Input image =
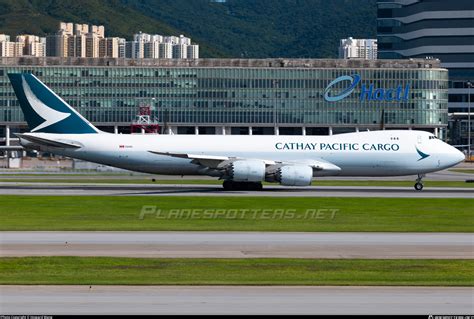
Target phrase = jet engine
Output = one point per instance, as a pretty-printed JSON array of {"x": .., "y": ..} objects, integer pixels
[
  {"x": 294, "y": 175},
  {"x": 247, "y": 171}
]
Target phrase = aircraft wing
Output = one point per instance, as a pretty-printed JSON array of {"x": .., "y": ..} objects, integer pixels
[{"x": 212, "y": 161}]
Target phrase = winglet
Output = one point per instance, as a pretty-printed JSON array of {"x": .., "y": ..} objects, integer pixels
[{"x": 44, "y": 110}]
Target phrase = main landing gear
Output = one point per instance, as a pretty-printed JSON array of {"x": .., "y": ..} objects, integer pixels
[
  {"x": 242, "y": 186},
  {"x": 419, "y": 182}
]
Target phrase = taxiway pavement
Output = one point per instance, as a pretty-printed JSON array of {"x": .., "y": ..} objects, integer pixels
[
  {"x": 238, "y": 244},
  {"x": 59, "y": 189},
  {"x": 136, "y": 300}
]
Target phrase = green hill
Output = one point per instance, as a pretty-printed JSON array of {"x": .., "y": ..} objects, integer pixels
[{"x": 235, "y": 28}]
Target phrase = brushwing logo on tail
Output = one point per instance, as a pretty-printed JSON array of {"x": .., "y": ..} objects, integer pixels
[{"x": 49, "y": 115}]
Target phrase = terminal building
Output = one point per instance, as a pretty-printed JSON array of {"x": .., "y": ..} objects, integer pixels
[{"x": 240, "y": 96}]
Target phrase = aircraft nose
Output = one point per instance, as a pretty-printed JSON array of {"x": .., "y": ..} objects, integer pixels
[{"x": 457, "y": 155}]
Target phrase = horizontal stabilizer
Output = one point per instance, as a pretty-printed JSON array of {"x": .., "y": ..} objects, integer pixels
[
  {"x": 47, "y": 142},
  {"x": 11, "y": 148}
]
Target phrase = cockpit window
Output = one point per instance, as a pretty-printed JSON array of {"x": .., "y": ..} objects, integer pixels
[{"x": 432, "y": 137}]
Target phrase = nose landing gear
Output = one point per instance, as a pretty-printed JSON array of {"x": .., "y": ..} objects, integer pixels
[{"x": 419, "y": 183}]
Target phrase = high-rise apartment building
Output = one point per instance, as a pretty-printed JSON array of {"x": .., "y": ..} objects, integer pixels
[
  {"x": 184, "y": 40},
  {"x": 75, "y": 40},
  {"x": 98, "y": 30},
  {"x": 171, "y": 39},
  {"x": 6, "y": 46},
  {"x": 166, "y": 51},
  {"x": 193, "y": 51},
  {"x": 351, "y": 48},
  {"x": 57, "y": 44},
  {"x": 92, "y": 46},
  {"x": 122, "y": 45},
  {"x": 109, "y": 47},
  {"x": 76, "y": 45},
  {"x": 80, "y": 29},
  {"x": 180, "y": 51},
  {"x": 138, "y": 50},
  {"x": 439, "y": 29},
  {"x": 156, "y": 38},
  {"x": 155, "y": 46},
  {"x": 67, "y": 27},
  {"x": 24, "y": 45},
  {"x": 37, "y": 48},
  {"x": 151, "y": 50},
  {"x": 84, "y": 41}
]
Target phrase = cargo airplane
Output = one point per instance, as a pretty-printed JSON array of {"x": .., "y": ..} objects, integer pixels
[{"x": 242, "y": 162}]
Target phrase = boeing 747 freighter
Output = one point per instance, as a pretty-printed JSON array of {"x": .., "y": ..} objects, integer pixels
[{"x": 242, "y": 162}]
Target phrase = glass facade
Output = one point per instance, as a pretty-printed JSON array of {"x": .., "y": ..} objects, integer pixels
[
  {"x": 284, "y": 96},
  {"x": 440, "y": 29}
]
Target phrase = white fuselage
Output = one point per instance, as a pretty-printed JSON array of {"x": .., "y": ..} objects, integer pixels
[{"x": 377, "y": 153}]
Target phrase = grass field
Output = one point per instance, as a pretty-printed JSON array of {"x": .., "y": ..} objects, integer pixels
[
  {"x": 149, "y": 271},
  {"x": 148, "y": 181},
  {"x": 461, "y": 170},
  {"x": 236, "y": 214}
]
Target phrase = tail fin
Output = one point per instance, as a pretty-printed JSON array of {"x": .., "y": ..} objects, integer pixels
[{"x": 45, "y": 111}]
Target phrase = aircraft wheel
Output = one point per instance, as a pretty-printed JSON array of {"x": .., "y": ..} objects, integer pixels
[
  {"x": 418, "y": 186},
  {"x": 228, "y": 185},
  {"x": 242, "y": 186}
]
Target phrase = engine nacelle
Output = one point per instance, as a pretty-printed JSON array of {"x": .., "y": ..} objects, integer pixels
[
  {"x": 247, "y": 171},
  {"x": 295, "y": 175}
]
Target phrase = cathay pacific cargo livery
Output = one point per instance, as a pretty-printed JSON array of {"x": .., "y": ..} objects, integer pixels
[{"x": 241, "y": 161}]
